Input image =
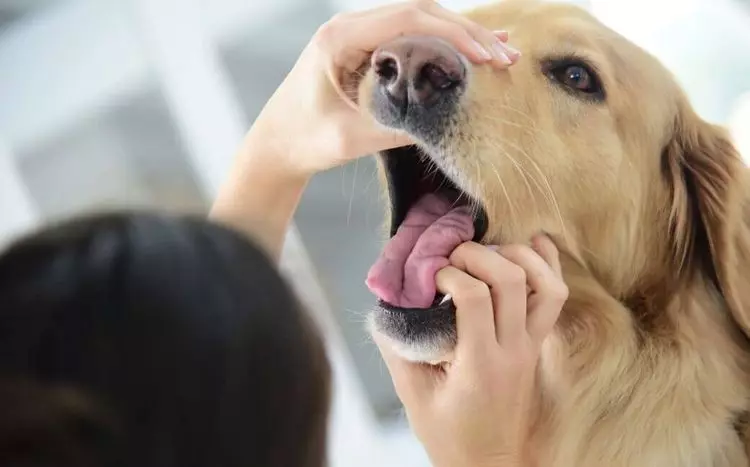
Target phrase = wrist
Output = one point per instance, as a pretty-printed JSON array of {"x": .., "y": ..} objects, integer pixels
[
  {"x": 500, "y": 460},
  {"x": 501, "y": 463},
  {"x": 488, "y": 460},
  {"x": 266, "y": 165},
  {"x": 261, "y": 193},
  {"x": 275, "y": 144}
]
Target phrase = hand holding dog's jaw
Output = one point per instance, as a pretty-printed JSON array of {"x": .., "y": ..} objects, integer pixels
[{"x": 480, "y": 391}]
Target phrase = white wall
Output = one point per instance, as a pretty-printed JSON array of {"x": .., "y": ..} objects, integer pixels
[
  {"x": 17, "y": 208},
  {"x": 739, "y": 126}
]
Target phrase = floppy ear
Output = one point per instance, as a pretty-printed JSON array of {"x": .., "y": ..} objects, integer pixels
[{"x": 708, "y": 213}]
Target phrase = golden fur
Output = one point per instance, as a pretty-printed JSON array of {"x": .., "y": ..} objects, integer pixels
[{"x": 648, "y": 203}]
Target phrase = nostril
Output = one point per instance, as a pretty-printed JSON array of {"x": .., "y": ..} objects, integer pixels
[
  {"x": 417, "y": 72},
  {"x": 438, "y": 77},
  {"x": 387, "y": 69}
]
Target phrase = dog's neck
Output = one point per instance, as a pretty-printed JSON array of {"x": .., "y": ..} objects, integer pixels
[
  {"x": 628, "y": 254},
  {"x": 616, "y": 249},
  {"x": 636, "y": 266}
]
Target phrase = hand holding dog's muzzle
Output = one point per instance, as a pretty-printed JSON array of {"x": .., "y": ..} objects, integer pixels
[{"x": 478, "y": 405}]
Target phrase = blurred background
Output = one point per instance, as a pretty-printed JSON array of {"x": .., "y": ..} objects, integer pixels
[{"x": 142, "y": 103}]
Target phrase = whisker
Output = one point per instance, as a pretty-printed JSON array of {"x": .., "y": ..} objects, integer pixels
[
  {"x": 548, "y": 193},
  {"x": 505, "y": 191},
  {"x": 367, "y": 188},
  {"x": 532, "y": 131},
  {"x": 519, "y": 112},
  {"x": 525, "y": 176},
  {"x": 351, "y": 195}
]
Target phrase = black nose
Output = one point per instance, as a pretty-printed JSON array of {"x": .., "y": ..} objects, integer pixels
[{"x": 418, "y": 71}]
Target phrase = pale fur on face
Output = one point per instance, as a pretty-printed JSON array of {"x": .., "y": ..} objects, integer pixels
[{"x": 649, "y": 362}]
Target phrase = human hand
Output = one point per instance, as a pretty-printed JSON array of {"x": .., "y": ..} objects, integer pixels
[
  {"x": 312, "y": 124},
  {"x": 476, "y": 410}
]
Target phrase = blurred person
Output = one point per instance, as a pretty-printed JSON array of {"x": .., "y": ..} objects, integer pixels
[
  {"x": 146, "y": 340},
  {"x": 140, "y": 339}
]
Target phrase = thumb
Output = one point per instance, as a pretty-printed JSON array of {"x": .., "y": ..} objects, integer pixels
[
  {"x": 373, "y": 137},
  {"x": 414, "y": 382},
  {"x": 391, "y": 139}
]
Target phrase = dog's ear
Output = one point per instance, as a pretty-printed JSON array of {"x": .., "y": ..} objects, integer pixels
[{"x": 710, "y": 233}]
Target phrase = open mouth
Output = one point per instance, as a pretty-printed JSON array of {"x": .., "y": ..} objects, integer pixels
[{"x": 430, "y": 217}]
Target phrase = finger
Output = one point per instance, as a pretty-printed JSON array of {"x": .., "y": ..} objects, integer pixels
[
  {"x": 376, "y": 138},
  {"x": 347, "y": 83},
  {"x": 475, "y": 324},
  {"x": 545, "y": 309},
  {"x": 391, "y": 140},
  {"x": 543, "y": 245},
  {"x": 502, "y": 54},
  {"x": 347, "y": 37},
  {"x": 549, "y": 292},
  {"x": 511, "y": 52},
  {"x": 413, "y": 382},
  {"x": 426, "y": 21},
  {"x": 501, "y": 35},
  {"x": 538, "y": 272},
  {"x": 507, "y": 284}
]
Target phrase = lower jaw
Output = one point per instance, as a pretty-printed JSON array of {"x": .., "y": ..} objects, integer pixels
[
  {"x": 442, "y": 310},
  {"x": 418, "y": 334}
]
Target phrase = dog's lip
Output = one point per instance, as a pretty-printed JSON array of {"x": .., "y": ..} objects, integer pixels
[
  {"x": 479, "y": 212},
  {"x": 440, "y": 306},
  {"x": 481, "y": 224}
]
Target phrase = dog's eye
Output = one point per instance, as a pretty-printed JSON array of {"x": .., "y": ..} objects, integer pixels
[{"x": 577, "y": 77}]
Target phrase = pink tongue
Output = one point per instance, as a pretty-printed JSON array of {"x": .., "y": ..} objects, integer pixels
[{"x": 404, "y": 275}]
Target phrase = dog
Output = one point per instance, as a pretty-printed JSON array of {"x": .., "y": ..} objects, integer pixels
[{"x": 589, "y": 139}]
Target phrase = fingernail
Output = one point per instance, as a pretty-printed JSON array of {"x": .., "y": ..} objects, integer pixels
[
  {"x": 482, "y": 51},
  {"x": 494, "y": 248},
  {"x": 534, "y": 244},
  {"x": 499, "y": 50},
  {"x": 504, "y": 59},
  {"x": 513, "y": 53},
  {"x": 501, "y": 34}
]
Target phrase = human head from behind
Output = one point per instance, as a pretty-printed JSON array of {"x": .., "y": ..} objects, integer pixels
[{"x": 144, "y": 340}]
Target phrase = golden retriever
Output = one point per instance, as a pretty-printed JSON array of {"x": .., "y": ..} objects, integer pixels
[{"x": 589, "y": 139}]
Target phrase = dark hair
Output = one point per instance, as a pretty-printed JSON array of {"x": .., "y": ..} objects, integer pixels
[{"x": 146, "y": 340}]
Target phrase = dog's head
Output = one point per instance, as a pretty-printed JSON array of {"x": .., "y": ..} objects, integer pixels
[{"x": 587, "y": 138}]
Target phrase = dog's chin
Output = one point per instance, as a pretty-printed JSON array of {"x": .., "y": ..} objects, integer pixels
[{"x": 417, "y": 335}]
